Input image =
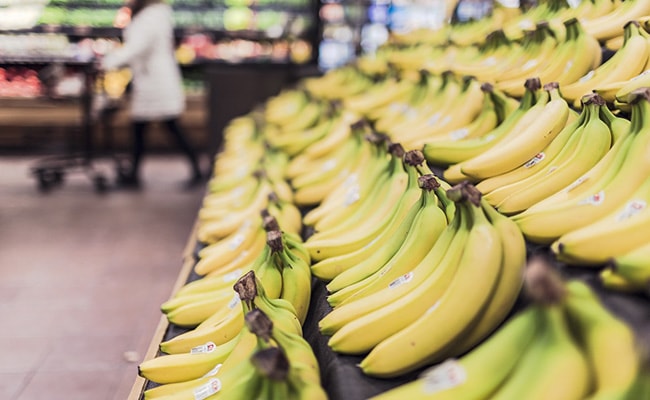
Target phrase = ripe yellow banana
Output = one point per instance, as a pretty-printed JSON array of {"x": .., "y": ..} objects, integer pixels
[
  {"x": 611, "y": 25},
  {"x": 422, "y": 342},
  {"x": 626, "y": 63},
  {"x": 429, "y": 272},
  {"x": 507, "y": 287},
  {"x": 199, "y": 362},
  {"x": 566, "y": 136},
  {"x": 592, "y": 143},
  {"x": 455, "y": 151},
  {"x": 479, "y": 373},
  {"x": 351, "y": 241},
  {"x": 607, "y": 341},
  {"x": 633, "y": 267},
  {"x": 545, "y": 223},
  {"x": 610, "y": 236},
  {"x": 553, "y": 367},
  {"x": 526, "y": 144},
  {"x": 395, "y": 233},
  {"x": 414, "y": 245}
]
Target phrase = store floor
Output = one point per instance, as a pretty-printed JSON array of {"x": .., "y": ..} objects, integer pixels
[{"x": 82, "y": 276}]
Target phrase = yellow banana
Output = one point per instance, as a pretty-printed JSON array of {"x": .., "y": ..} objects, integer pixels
[
  {"x": 552, "y": 368},
  {"x": 422, "y": 342},
  {"x": 607, "y": 341},
  {"x": 526, "y": 144},
  {"x": 199, "y": 362},
  {"x": 479, "y": 373},
  {"x": 611, "y": 25},
  {"x": 414, "y": 245},
  {"x": 626, "y": 63},
  {"x": 593, "y": 142},
  {"x": 455, "y": 151},
  {"x": 610, "y": 236}
]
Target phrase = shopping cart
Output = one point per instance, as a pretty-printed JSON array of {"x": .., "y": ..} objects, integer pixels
[{"x": 99, "y": 102}]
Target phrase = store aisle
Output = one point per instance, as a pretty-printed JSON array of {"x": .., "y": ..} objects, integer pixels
[{"x": 82, "y": 276}]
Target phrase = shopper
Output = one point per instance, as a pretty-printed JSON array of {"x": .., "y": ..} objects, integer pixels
[{"x": 157, "y": 91}]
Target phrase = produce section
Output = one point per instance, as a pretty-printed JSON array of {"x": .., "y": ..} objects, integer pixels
[{"x": 472, "y": 202}]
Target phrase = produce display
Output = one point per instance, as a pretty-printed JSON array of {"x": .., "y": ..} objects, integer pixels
[{"x": 417, "y": 186}]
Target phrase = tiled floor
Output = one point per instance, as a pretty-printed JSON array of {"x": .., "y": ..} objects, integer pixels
[{"x": 82, "y": 276}]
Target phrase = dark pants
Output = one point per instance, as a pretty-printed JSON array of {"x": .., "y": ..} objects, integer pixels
[{"x": 171, "y": 125}]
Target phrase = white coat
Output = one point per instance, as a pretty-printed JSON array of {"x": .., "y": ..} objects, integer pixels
[{"x": 148, "y": 49}]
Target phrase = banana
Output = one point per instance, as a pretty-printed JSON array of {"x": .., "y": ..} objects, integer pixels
[
  {"x": 593, "y": 142},
  {"x": 378, "y": 96},
  {"x": 191, "y": 310},
  {"x": 188, "y": 366},
  {"x": 351, "y": 241},
  {"x": 612, "y": 24},
  {"x": 422, "y": 341},
  {"x": 580, "y": 53},
  {"x": 397, "y": 230},
  {"x": 227, "y": 250},
  {"x": 610, "y": 279},
  {"x": 508, "y": 286},
  {"x": 633, "y": 267},
  {"x": 354, "y": 193},
  {"x": 219, "y": 332},
  {"x": 296, "y": 282},
  {"x": 446, "y": 119},
  {"x": 640, "y": 81},
  {"x": 526, "y": 144},
  {"x": 285, "y": 106},
  {"x": 393, "y": 301},
  {"x": 609, "y": 236},
  {"x": 552, "y": 368},
  {"x": 567, "y": 135},
  {"x": 626, "y": 63},
  {"x": 547, "y": 222},
  {"x": 430, "y": 110},
  {"x": 421, "y": 235},
  {"x": 607, "y": 341},
  {"x": 540, "y": 55},
  {"x": 455, "y": 151},
  {"x": 479, "y": 373}
]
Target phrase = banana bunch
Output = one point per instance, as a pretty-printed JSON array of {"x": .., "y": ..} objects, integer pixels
[
  {"x": 540, "y": 124},
  {"x": 312, "y": 123},
  {"x": 228, "y": 221},
  {"x": 338, "y": 83},
  {"x": 617, "y": 92},
  {"x": 565, "y": 62},
  {"x": 565, "y": 345},
  {"x": 610, "y": 25},
  {"x": 629, "y": 61},
  {"x": 379, "y": 214},
  {"x": 415, "y": 319},
  {"x": 397, "y": 253},
  {"x": 577, "y": 148},
  {"x": 457, "y": 150},
  {"x": 326, "y": 164},
  {"x": 267, "y": 359},
  {"x": 599, "y": 192},
  {"x": 494, "y": 108},
  {"x": 282, "y": 267},
  {"x": 629, "y": 271}
]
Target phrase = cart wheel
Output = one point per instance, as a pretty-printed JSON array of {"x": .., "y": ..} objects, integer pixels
[
  {"x": 45, "y": 180},
  {"x": 101, "y": 183},
  {"x": 57, "y": 177}
]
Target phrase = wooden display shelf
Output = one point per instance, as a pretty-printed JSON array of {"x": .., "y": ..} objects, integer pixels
[{"x": 152, "y": 351}]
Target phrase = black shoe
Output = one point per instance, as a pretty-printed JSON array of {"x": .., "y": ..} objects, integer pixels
[
  {"x": 197, "y": 180},
  {"x": 128, "y": 181}
]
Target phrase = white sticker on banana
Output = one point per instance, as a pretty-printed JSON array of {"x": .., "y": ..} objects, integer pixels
[
  {"x": 631, "y": 209},
  {"x": 204, "y": 348},
  {"x": 204, "y": 391},
  {"x": 444, "y": 376}
]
